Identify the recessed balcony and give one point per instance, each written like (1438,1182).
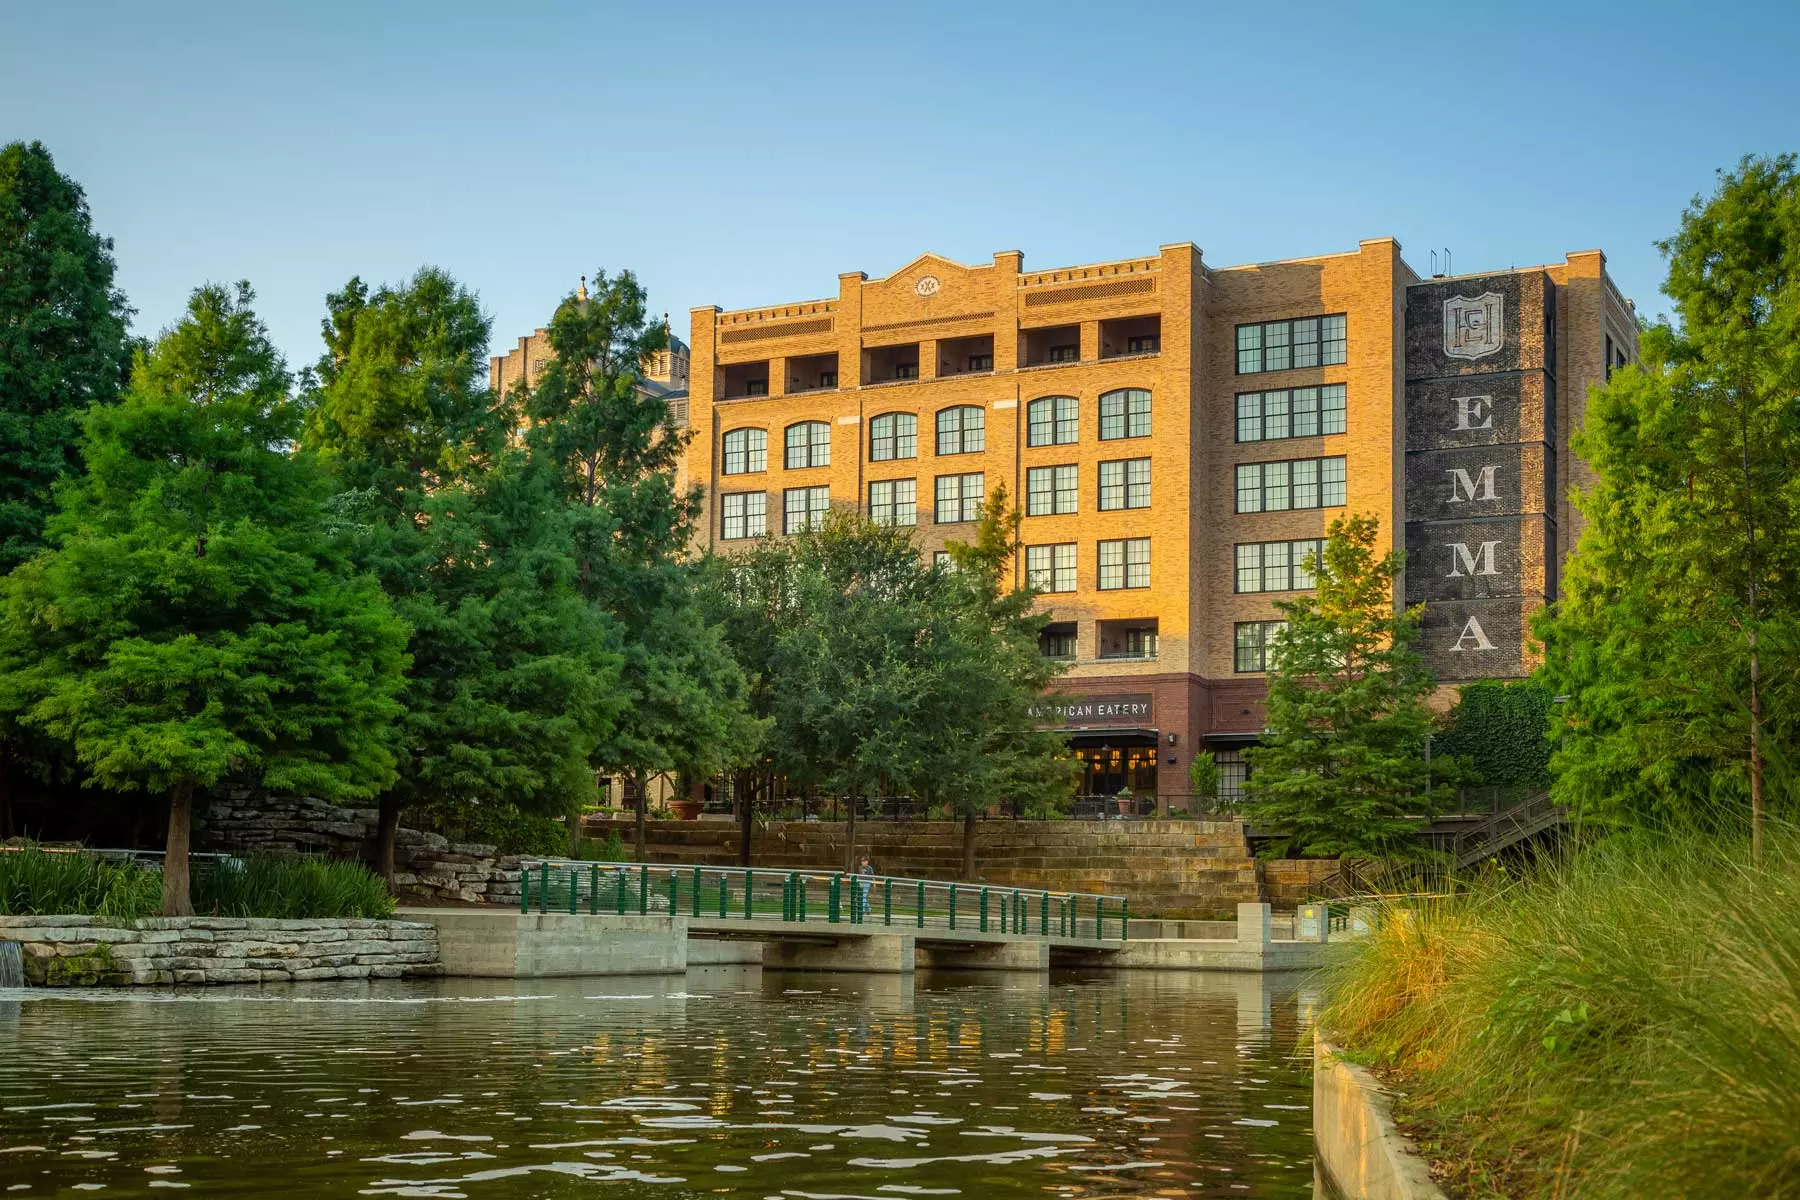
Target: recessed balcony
(1043,347)
(891,364)
(966,355)
(1127,336)
(812,373)
(1131,640)
(745,380)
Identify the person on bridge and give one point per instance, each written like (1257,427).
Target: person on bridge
(866,871)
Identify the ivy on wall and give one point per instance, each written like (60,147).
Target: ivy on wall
(1500,729)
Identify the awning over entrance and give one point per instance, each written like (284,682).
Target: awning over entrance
(1122,736)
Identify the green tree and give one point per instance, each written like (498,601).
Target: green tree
(62,337)
(1676,638)
(996,682)
(513,673)
(194,624)
(614,448)
(1342,771)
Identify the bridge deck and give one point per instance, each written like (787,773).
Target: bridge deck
(934,933)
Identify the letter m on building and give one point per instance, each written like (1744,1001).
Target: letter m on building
(1465,487)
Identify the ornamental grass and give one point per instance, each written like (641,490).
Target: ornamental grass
(1624,1022)
(34,881)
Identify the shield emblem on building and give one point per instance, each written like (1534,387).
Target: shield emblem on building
(1474,326)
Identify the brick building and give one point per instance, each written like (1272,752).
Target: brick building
(1178,437)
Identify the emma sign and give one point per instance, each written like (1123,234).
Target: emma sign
(1076,711)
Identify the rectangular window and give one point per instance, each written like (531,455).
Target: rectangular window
(941,560)
(1289,345)
(894,502)
(746,514)
(804,508)
(1065,354)
(1290,413)
(1125,564)
(1051,568)
(1052,421)
(1125,414)
(959,498)
(1300,483)
(1276,566)
(1125,484)
(1050,490)
(1254,639)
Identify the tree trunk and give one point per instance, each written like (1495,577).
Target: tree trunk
(968,870)
(573,824)
(176,900)
(7,762)
(746,802)
(387,833)
(638,832)
(1756,753)
(850,835)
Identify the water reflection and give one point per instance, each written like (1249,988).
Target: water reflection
(732,1081)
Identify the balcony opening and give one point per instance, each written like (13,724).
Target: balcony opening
(1129,639)
(1058,641)
(812,372)
(746,379)
(884,364)
(966,355)
(1058,344)
(1131,335)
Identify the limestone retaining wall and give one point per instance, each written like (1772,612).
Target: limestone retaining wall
(65,951)
(1167,868)
(428,866)
(1359,1150)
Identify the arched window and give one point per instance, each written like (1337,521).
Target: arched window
(962,430)
(893,435)
(746,450)
(1125,414)
(1053,421)
(808,445)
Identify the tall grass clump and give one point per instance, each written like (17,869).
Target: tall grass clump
(292,888)
(1624,1022)
(34,881)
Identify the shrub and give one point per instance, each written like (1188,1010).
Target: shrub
(1622,1024)
(293,888)
(507,828)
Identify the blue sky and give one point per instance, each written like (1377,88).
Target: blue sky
(746,154)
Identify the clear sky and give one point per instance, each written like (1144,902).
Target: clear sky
(742,154)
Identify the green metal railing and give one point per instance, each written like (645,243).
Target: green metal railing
(817,897)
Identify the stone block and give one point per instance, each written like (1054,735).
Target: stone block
(43,921)
(233,974)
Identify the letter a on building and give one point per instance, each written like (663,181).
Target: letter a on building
(1472,632)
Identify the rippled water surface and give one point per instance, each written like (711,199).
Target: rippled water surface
(730,1082)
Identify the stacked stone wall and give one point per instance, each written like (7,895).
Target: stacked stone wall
(1167,868)
(428,866)
(64,951)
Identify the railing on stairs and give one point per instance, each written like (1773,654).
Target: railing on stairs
(1508,827)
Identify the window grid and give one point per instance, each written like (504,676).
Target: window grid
(1253,641)
(1295,483)
(746,515)
(804,508)
(746,451)
(959,498)
(808,445)
(1124,564)
(1053,421)
(894,502)
(1124,414)
(962,430)
(1050,568)
(1276,566)
(1052,490)
(893,435)
(1290,413)
(1125,483)
(1291,345)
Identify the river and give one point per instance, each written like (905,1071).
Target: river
(730,1082)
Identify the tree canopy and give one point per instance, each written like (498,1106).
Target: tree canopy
(1342,769)
(1676,637)
(196,623)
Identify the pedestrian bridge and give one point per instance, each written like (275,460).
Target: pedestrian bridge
(826,920)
